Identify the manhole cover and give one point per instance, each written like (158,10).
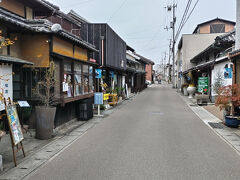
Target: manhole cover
(216,125)
(156,113)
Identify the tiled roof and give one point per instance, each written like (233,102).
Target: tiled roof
(145,60)
(48,4)
(43,26)
(234,53)
(228,37)
(14,60)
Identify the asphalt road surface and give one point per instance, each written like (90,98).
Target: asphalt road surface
(154,136)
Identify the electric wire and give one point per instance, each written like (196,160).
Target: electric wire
(189,15)
(184,15)
(115,12)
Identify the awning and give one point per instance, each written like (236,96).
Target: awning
(14,60)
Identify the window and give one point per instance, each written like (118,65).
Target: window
(28,13)
(86,78)
(91,86)
(17,83)
(68,80)
(217,28)
(78,79)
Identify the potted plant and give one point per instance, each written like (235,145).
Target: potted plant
(184,89)
(45,112)
(191,88)
(228,98)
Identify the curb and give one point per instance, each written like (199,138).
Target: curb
(48,152)
(225,133)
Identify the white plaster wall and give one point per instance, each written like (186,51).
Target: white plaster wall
(220,68)
(193,44)
(6,85)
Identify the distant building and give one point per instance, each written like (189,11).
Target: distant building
(214,26)
(191,45)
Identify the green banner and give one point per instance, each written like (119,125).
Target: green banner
(203,84)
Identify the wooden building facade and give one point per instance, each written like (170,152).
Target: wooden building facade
(40,41)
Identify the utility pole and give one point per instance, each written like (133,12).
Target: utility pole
(237,42)
(169,59)
(164,64)
(172,26)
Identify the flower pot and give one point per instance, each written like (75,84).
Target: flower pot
(191,90)
(231,121)
(45,122)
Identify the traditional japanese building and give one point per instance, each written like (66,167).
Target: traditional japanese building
(40,41)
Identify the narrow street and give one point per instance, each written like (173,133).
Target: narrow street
(154,136)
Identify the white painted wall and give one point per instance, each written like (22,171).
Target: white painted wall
(193,44)
(6,86)
(220,67)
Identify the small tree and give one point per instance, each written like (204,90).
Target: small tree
(228,97)
(219,82)
(44,88)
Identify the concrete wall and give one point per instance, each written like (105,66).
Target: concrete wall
(193,44)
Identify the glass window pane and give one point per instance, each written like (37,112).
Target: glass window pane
(90,70)
(86,83)
(16,77)
(57,82)
(91,87)
(85,68)
(67,67)
(77,67)
(67,85)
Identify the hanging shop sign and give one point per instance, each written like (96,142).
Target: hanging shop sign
(98,98)
(111,74)
(98,73)
(228,73)
(6,86)
(203,84)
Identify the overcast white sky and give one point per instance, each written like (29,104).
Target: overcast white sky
(141,22)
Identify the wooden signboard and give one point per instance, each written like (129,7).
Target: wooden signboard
(14,124)
(15,129)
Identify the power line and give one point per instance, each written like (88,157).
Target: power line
(184,15)
(79,3)
(115,12)
(177,35)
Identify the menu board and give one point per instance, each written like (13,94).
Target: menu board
(14,124)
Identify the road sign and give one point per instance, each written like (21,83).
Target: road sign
(98,98)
